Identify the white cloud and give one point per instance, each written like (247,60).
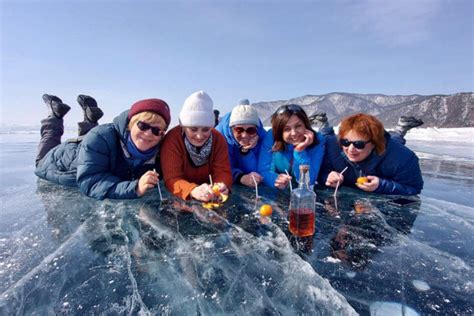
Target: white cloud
(397,22)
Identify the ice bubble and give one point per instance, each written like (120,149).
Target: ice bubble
(420,285)
(331,260)
(350,274)
(391,309)
(208,245)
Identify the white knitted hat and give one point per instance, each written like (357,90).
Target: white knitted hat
(197,110)
(244,114)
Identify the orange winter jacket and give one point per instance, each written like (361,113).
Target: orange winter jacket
(180,174)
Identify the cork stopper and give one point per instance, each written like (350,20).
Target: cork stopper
(304,169)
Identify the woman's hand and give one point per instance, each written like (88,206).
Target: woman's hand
(333,178)
(248,181)
(202,193)
(371,185)
(282,181)
(308,140)
(223,189)
(147,181)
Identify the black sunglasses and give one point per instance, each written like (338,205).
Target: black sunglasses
(145,126)
(251,131)
(359,144)
(292,108)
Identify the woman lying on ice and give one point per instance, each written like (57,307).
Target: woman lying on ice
(195,153)
(116,160)
(290,143)
(244,134)
(376,161)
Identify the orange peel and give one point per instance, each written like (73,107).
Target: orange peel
(215,204)
(216,190)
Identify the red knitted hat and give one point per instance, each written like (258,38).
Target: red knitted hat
(151,105)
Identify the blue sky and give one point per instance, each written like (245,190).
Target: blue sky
(123,51)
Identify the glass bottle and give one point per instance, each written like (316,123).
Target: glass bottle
(302,206)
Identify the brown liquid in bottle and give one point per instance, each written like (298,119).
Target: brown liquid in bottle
(302,222)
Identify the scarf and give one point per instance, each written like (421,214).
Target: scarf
(139,157)
(199,155)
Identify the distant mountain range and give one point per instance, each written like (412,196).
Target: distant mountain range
(455,110)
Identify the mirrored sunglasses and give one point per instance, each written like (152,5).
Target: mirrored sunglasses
(291,108)
(359,144)
(145,126)
(251,131)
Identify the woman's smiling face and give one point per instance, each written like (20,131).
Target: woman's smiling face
(354,154)
(197,136)
(293,132)
(244,133)
(145,139)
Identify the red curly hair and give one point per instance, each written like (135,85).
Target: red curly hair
(367,126)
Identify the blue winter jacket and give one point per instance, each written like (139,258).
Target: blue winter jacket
(60,164)
(241,163)
(100,165)
(397,168)
(271,164)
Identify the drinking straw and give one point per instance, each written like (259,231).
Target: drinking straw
(210,179)
(256,186)
(158,186)
(339,182)
(291,187)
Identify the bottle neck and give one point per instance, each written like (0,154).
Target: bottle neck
(304,180)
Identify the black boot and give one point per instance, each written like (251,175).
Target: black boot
(405,123)
(319,119)
(92,113)
(55,106)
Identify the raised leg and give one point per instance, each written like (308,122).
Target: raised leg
(52,127)
(92,114)
(319,121)
(405,123)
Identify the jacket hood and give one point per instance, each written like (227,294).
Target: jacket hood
(225,130)
(120,123)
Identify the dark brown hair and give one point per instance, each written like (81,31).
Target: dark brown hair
(367,126)
(281,117)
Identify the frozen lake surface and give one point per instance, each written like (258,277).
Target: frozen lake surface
(63,253)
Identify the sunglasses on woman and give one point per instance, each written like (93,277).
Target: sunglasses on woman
(359,144)
(145,126)
(291,108)
(251,131)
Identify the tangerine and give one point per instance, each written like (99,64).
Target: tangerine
(362,180)
(266,210)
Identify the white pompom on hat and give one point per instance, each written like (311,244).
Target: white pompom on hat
(244,114)
(197,110)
